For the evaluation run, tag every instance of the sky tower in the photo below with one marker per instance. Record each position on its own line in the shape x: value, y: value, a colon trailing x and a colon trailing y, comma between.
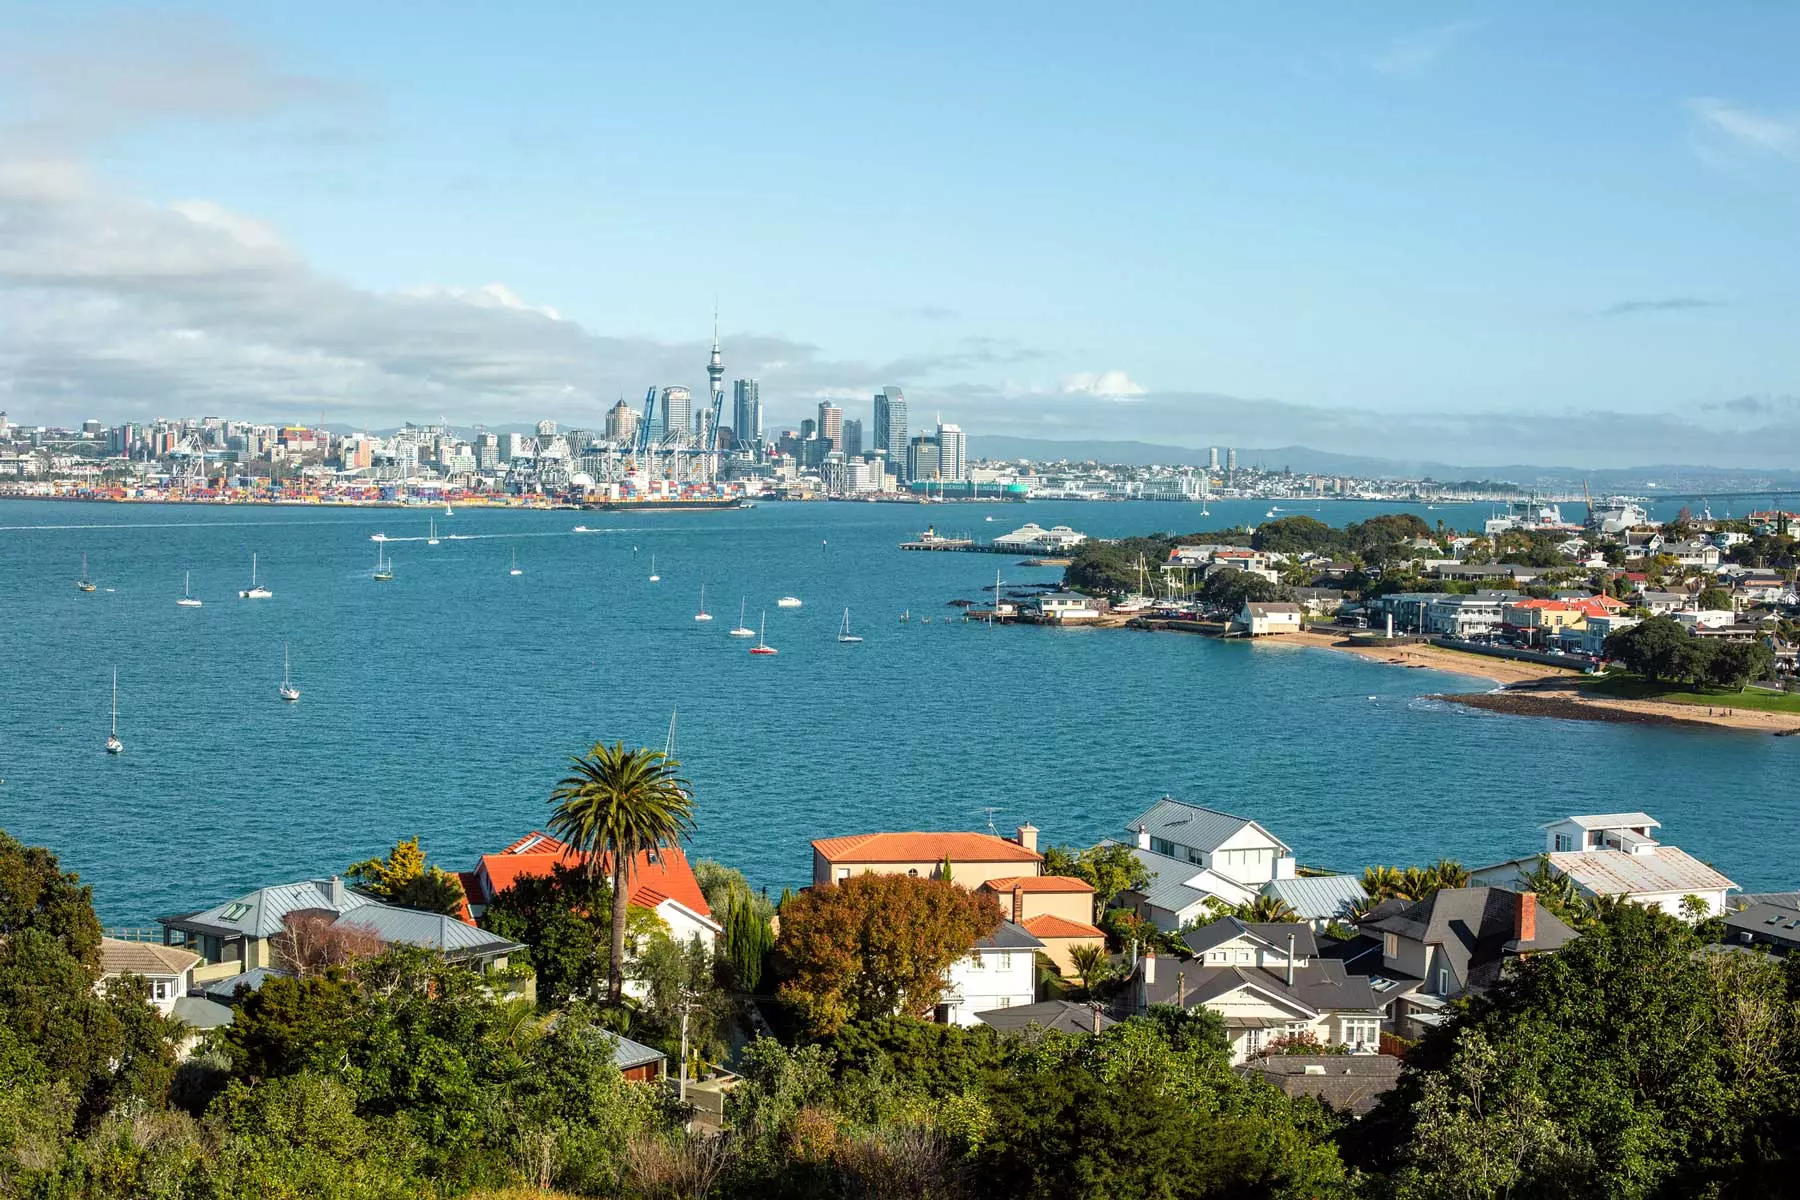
x: 715, y: 373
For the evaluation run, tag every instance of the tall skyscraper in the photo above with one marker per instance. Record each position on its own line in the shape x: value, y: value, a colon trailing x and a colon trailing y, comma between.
x: 890, y: 425
x: 622, y: 423
x: 922, y: 459
x: 952, y: 452
x: 1231, y: 461
x: 677, y: 413
x: 853, y: 440
x: 705, y: 434
x: 1212, y: 458
x: 746, y: 412
x: 831, y: 425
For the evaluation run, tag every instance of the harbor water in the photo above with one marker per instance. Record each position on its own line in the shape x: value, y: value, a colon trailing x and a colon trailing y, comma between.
x: 445, y: 703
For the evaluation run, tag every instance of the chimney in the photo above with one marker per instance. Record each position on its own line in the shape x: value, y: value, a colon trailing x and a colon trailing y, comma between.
x: 1290, y: 971
x: 1143, y: 836
x: 1028, y: 836
x: 1018, y: 903
x: 1149, y: 967
x: 335, y: 893
x: 1525, y: 927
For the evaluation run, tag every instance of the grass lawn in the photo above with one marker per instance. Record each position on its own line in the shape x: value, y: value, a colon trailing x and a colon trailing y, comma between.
x: 1635, y: 687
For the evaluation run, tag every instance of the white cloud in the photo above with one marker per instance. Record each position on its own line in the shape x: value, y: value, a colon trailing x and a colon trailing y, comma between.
x: 1110, y: 385
x: 1724, y: 126
x: 1415, y: 53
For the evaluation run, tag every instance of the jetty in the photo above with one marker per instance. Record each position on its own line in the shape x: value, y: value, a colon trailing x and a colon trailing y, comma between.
x: 1028, y: 539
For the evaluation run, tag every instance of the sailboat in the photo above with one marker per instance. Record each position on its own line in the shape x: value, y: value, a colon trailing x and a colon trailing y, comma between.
x: 515, y: 564
x: 447, y: 510
x: 113, y: 744
x: 288, y: 690
x: 255, y: 591
x: 703, y: 615
x: 187, y: 600
x: 383, y: 572
x: 761, y: 647
x: 742, y: 630
x: 84, y: 583
x: 654, y: 577
x: 432, y: 539
x: 844, y: 634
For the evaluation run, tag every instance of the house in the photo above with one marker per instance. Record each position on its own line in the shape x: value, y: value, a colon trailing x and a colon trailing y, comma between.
x: 1765, y: 588
x: 1775, y: 926
x: 1063, y: 608
x: 1598, y: 629
x: 1643, y: 543
x: 1063, y: 1016
x: 1179, y: 893
x: 1664, y: 603
x: 1453, y: 943
x: 661, y: 880
x: 1543, y: 619
x: 236, y: 936
x: 637, y: 1061
x: 1235, y: 847
x: 1000, y: 972
x: 1267, y: 982
x: 1349, y: 1083
x: 1319, y: 601
x: 1614, y: 854
x: 167, y: 971
x: 1318, y: 900
x: 1695, y: 553
x: 974, y: 858
x: 1057, y: 910
x: 1260, y: 620
x: 1465, y: 616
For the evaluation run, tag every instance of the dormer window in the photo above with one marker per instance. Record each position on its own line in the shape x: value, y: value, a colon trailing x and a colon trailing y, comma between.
x: 1564, y: 842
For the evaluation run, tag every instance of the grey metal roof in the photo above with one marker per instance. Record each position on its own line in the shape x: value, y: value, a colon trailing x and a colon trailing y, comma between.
x: 201, y: 1013
x: 259, y: 913
x: 1474, y: 928
x: 435, y: 931
x: 1273, y: 935
x: 1205, y: 829
x: 1168, y: 889
x: 1623, y: 820
x: 1782, y: 899
x: 1065, y: 1016
x: 225, y: 990
x: 628, y: 1054
x: 1318, y: 897
x: 1009, y: 937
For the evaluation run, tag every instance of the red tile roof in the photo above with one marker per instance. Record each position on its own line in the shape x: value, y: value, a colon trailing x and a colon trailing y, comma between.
x: 1040, y: 883
x: 656, y: 875
x: 1050, y: 926
x: 923, y: 847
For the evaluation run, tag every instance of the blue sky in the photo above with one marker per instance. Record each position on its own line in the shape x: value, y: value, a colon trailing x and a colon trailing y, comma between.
x: 1524, y: 232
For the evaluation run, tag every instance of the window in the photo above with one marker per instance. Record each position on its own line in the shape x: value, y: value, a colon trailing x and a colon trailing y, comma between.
x: 1006, y: 1002
x: 1390, y: 945
x: 1362, y: 1031
x: 1243, y: 956
x: 1163, y: 846
x: 162, y: 989
x: 1564, y: 842
x: 1003, y: 961
x: 1443, y: 987
x: 913, y: 873
x: 843, y: 873
x: 234, y: 910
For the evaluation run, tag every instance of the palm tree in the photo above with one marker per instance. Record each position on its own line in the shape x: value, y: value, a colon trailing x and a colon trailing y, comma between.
x: 1384, y: 883
x: 1557, y: 891
x: 1090, y: 963
x: 1416, y: 884
x: 618, y: 804
x: 1450, y: 873
x: 1266, y: 910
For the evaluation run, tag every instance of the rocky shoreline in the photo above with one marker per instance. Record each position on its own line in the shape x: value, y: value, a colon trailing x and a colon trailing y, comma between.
x: 1538, y: 704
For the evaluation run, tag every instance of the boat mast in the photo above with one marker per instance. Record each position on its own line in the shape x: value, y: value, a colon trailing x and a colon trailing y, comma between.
x: 115, y: 703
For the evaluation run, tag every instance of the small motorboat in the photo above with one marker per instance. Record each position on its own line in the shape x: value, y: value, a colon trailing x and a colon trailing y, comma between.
x: 788, y: 602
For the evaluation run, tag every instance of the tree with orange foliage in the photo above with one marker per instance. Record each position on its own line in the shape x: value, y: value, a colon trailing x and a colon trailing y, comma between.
x: 876, y: 945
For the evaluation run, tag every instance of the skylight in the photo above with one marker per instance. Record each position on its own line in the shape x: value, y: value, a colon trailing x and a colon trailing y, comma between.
x: 234, y: 910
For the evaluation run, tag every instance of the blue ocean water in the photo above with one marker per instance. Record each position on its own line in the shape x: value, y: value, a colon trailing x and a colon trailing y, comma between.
x: 444, y: 703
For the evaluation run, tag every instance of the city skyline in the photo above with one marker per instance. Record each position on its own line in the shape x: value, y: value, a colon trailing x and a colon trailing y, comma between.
x: 1320, y: 228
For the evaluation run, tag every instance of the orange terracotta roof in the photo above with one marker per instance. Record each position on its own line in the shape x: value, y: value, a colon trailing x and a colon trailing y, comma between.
x: 923, y: 847
x: 1040, y: 883
x: 1050, y: 926
x: 655, y: 875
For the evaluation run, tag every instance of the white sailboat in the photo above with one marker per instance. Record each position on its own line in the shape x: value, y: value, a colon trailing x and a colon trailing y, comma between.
x: 844, y: 634
x: 288, y: 690
x: 84, y: 583
x: 515, y: 563
x: 383, y: 572
x: 788, y: 602
x: 703, y: 615
x: 742, y: 629
x: 447, y: 510
x: 113, y: 744
x: 187, y: 600
x: 432, y: 538
x: 255, y: 591
x: 761, y: 647
x: 654, y: 577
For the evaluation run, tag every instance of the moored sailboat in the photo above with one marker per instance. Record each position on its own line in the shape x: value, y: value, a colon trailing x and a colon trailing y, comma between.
x: 288, y: 690
x: 762, y: 647
x: 113, y: 744
x: 187, y: 599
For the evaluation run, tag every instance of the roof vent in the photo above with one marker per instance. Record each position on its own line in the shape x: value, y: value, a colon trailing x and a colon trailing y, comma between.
x: 1313, y: 1069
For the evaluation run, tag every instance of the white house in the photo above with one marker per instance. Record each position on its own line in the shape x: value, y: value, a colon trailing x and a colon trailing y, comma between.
x: 1260, y: 620
x: 1466, y: 616
x: 1614, y: 854
x: 1061, y: 608
x: 1235, y: 847
x: 1000, y: 972
x: 1694, y: 553
x: 1267, y: 982
x: 1180, y: 893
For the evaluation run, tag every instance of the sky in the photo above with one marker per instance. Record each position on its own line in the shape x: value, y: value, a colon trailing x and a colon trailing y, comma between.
x: 1522, y: 232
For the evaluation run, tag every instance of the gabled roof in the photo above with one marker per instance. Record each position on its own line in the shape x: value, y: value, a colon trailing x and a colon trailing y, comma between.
x: 1474, y: 929
x: 1009, y: 937
x: 1275, y: 936
x: 1322, y: 985
x: 1048, y: 925
x: 1205, y: 829
x: 201, y: 1013
x: 1040, y: 883
x: 259, y: 913
x: 1776, y: 922
x: 1318, y: 897
x: 1065, y: 1016
x: 143, y: 958
x: 1622, y: 820
x: 628, y: 1054
x: 656, y: 875
x: 923, y: 847
x: 1172, y: 881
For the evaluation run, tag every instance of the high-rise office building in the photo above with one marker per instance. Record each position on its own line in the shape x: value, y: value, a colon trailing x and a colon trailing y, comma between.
x: 1231, y: 462
x: 890, y: 425
x: 852, y: 441
x: 952, y: 452
x: 746, y: 412
x: 831, y: 425
x: 622, y: 423
x: 922, y: 459
x: 1212, y: 458
x: 546, y: 429
x: 677, y: 413
x: 808, y: 427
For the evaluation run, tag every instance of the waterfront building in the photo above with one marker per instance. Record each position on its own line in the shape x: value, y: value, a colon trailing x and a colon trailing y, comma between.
x: 831, y: 426
x: 1230, y: 462
x: 974, y: 858
x: 853, y: 438
x: 677, y: 414
x: 1319, y: 900
x: 952, y: 452
x: 1261, y: 620
x: 746, y: 412
x: 167, y: 971
x: 1032, y: 538
x: 922, y: 459
x: 890, y: 425
x: 622, y: 423
x: 1235, y: 847
x: 1615, y: 854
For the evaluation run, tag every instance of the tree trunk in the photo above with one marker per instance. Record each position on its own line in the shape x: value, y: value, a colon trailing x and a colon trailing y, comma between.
x: 615, y: 970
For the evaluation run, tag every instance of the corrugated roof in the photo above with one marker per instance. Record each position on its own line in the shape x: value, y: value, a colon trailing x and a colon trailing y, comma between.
x: 1049, y: 925
x: 1169, y: 889
x: 259, y: 913
x: 226, y: 990
x: 1040, y: 883
x: 923, y: 847
x: 1626, y: 820
x: 1205, y: 829
x: 143, y: 958
x: 1318, y: 897
x: 1615, y: 872
x: 435, y: 931
x: 628, y: 1054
